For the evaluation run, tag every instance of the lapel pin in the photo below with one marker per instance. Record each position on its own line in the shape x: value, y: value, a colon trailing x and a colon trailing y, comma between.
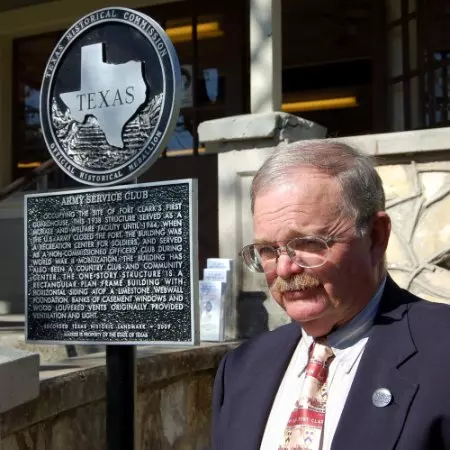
x: 381, y: 397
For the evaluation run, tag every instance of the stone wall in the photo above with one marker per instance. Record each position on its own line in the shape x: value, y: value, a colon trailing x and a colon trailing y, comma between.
x: 415, y: 168
x: 11, y: 258
x: 418, y: 202
x: 173, y: 405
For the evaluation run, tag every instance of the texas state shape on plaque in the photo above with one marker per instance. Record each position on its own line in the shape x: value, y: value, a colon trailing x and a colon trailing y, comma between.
x: 112, y: 93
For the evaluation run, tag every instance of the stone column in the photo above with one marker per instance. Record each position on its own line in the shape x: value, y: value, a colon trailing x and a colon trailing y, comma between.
x: 265, y: 55
x: 243, y: 143
x: 5, y: 110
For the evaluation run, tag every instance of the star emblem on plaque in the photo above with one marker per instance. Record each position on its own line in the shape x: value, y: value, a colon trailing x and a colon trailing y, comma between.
x: 110, y: 96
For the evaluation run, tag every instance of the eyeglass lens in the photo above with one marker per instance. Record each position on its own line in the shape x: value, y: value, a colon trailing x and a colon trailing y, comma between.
x: 306, y: 252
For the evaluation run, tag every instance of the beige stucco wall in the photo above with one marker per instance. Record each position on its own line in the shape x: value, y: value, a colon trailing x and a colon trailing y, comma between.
x: 173, y: 405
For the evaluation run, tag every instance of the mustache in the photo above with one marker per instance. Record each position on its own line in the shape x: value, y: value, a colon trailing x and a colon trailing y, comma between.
x: 296, y: 283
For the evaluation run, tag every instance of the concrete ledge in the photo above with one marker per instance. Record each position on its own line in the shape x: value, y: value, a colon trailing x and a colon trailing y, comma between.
x: 267, y: 130
x: 73, y: 398
x: 256, y: 130
x: 19, y: 377
x: 399, y: 143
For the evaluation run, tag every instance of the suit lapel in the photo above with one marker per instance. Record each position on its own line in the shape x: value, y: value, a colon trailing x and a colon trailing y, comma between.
x: 362, y: 424
x: 255, y: 397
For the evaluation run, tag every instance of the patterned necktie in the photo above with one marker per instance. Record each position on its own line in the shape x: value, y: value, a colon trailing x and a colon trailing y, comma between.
x: 305, y: 425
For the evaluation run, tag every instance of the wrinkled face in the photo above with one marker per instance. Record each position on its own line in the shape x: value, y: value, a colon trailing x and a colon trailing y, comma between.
x: 323, y: 297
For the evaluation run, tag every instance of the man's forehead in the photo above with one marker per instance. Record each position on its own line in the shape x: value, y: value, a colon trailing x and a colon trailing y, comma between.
x: 291, y: 232
x: 309, y: 205
x: 301, y: 181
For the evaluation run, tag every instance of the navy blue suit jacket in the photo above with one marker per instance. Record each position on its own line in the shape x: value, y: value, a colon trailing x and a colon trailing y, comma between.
x: 408, y: 352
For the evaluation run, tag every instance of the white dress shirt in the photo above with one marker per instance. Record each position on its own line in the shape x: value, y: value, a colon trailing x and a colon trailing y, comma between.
x: 348, y: 344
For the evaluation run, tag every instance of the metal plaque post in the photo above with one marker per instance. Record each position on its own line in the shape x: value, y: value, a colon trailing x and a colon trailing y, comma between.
x: 120, y: 396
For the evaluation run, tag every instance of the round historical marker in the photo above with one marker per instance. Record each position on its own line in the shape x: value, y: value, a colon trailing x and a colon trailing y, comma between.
x: 110, y: 96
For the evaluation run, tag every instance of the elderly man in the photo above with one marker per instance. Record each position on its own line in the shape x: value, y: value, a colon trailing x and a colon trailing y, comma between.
x: 364, y: 365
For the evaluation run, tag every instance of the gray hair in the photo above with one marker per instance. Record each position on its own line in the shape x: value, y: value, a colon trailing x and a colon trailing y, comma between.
x: 361, y: 186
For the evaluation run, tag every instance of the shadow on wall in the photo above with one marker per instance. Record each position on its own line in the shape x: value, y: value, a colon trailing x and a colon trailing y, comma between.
x: 253, y: 318
x: 12, y: 266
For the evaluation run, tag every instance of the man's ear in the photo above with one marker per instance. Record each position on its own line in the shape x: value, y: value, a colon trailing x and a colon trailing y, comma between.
x: 379, y: 234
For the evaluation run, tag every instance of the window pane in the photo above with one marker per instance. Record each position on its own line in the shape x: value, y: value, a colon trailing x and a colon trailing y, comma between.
x: 30, y: 59
x: 180, y: 32
x: 328, y: 63
x: 212, y: 60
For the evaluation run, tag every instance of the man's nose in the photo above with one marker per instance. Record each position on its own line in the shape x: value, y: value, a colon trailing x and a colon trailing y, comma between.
x: 286, y: 267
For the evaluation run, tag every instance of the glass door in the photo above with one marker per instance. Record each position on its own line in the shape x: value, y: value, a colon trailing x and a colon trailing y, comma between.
x: 211, y: 42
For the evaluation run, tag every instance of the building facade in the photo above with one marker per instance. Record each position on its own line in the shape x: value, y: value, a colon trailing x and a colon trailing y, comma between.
x: 357, y: 67
x: 354, y: 66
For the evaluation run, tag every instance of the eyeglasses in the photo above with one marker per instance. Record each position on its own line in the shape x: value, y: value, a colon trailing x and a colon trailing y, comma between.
x: 306, y: 252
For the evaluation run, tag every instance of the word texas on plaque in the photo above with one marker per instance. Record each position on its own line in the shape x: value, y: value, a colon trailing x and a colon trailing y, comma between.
x: 110, y: 96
